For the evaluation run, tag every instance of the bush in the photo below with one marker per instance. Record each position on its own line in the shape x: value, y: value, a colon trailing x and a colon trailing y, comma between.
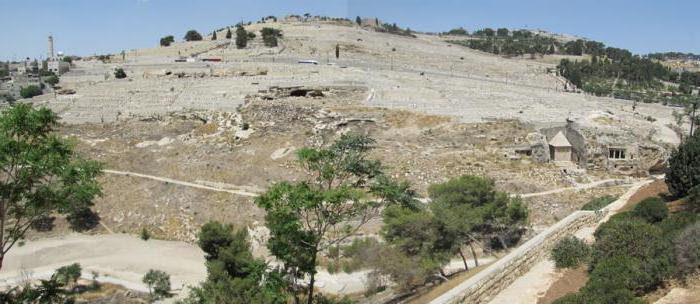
x: 193, y: 35
x: 684, y: 167
x: 652, y: 209
x: 30, y: 91
x: 119, y: 73
x: 598, y: 203
x: 636, y: 239
x: 68, y: 275
x: 145, y: 235
x: 687, y: 245
x: 51, y: 80
x: 83, y: 219
x: 158, y: 283
x: 570, y: 252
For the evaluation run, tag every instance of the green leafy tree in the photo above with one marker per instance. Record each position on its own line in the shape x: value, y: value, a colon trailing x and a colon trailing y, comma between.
x: 119, y: 73
x: 233, y: 274
x: 570, y: 252
x: 270, y: 36
x: 684, y: 167
x: 30, y: 91
x: 68, y: 275
x: 41, y: 173
x: 158, y: 283
x: 241, y: 37
x: 228, y: 33
x: 193, y: 35
x: 420, y: 238
x: 167, y: 40
x: 344, y: 192
x: 502, y: 32
x: 472, y: 209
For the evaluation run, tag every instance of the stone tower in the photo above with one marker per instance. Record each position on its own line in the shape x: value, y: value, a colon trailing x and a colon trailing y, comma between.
x: 50, y: 54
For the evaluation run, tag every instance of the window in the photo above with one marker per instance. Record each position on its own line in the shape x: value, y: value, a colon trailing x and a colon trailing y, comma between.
x: 615, y: 153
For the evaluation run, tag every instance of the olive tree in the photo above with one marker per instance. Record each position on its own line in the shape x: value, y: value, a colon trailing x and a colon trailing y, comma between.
x: 41, y: 174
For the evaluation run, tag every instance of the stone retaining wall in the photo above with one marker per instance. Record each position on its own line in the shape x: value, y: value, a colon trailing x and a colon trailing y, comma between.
x: 486, y: 284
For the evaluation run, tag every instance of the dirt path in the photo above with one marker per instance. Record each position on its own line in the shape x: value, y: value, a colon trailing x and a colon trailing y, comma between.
x: 182, y: 183
x: 602, y: 183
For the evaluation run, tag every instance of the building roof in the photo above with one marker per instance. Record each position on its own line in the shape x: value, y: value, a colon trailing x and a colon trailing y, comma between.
x: 559, y: 140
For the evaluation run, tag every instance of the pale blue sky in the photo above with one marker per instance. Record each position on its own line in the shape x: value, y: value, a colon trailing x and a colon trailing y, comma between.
x: 85, y: 27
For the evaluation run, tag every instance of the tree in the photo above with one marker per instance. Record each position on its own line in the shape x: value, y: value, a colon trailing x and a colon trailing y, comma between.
x: 420, y: 238
x: 358, y: 20
x: 41, y: 173
x: 119, y: 73
x: 502, y: 32
x: 193, y: 35
x: 167, y: 40
x: 337, y: 51
x: 270, y: 35
x: 228, y: 33
x: 68, y: 275
x: 684, y: 167
x: 213, y: 35
x: 570, y: 252
x: 233, y: 274
x: 344, y: 191
x: 472, y: 209
x: 158, y: 283
x: 241, y: 37
x: 652, y: 209
x: 30, y: 91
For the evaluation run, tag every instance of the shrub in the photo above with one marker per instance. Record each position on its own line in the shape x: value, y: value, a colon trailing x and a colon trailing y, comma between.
x: 83, y: 219
x: 51, y: 80
x: 636, y: 239
x: 652, y: 209
x: 119, y: 73
x: 158, y: 283
x: 570, y: 252
x: 684, y: 167
x: 193, y: 35
x: 68, y: 275
x: 145, y: 235
x: 30, y: 91
x: 598, y: 203
x: 687, y: 245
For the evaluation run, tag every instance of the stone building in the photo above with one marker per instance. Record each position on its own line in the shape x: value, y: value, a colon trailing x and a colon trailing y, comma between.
x: 601, y: 142
x: 560, y: 148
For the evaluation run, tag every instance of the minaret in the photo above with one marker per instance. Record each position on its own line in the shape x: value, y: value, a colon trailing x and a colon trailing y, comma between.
x: 50, y: 54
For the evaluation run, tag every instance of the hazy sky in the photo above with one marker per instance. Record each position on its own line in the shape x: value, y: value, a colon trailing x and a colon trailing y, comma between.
x: 85, y: 27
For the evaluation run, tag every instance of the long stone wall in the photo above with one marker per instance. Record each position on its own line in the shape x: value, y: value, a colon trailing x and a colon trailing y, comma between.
x: 489, y: 282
